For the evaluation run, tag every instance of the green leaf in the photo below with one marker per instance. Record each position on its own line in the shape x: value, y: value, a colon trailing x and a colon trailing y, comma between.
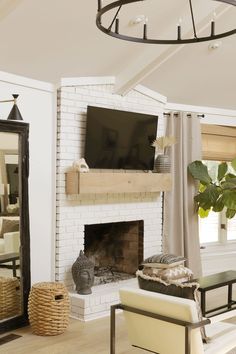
x: 215, y: 196
x: 229, y: 198
x: 201, y: 187
x: 222, y: 169
x: 233, y: 163
x: 219, y: 205
x: 230, y: 213
x: 199, y: 171
x: 229, y: 176
x: 203, y: 213
x: 229, y: 185
x: 208, y: 198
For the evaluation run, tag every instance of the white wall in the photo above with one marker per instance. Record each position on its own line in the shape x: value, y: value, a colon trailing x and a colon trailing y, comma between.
x: 36, y: 104
x: 211, y: 115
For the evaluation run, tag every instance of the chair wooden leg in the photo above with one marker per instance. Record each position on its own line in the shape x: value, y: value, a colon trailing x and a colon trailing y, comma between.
x: 229, y: 296
x: 203, y: 303
x: 112, y: 329
x: 187, y: 340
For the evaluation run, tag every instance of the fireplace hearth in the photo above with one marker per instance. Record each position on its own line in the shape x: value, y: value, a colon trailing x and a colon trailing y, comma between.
x: 115, y: 248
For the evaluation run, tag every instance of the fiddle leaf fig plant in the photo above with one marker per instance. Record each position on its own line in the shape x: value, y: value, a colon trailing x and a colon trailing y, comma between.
x: 215, y: 195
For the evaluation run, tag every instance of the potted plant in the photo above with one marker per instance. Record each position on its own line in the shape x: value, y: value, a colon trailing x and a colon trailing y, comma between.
x: 218, y: 194
x: 162, y: 162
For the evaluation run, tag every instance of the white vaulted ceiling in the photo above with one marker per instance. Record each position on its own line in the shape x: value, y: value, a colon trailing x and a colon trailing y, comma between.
x: 50, y: 39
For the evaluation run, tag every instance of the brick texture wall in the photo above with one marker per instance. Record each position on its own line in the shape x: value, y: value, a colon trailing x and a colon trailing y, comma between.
x: 74, y: 212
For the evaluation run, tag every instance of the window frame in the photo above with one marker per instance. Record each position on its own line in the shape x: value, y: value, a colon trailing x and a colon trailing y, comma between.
x: 212, y: 152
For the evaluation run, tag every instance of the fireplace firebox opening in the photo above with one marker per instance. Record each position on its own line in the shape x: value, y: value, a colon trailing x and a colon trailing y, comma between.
x: 116, y: 249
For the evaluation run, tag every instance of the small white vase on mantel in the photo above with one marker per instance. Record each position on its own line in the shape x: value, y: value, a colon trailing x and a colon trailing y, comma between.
x: 162, y: 164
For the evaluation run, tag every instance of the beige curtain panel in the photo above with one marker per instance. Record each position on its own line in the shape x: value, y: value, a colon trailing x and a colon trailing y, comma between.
x: 181, y: 236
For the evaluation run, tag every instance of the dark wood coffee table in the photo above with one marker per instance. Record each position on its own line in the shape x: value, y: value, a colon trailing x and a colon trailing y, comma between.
x: 215, y: 281
x: 9, y: 257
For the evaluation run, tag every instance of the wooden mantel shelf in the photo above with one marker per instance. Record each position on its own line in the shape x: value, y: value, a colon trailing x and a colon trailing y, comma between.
x: 111, y: 182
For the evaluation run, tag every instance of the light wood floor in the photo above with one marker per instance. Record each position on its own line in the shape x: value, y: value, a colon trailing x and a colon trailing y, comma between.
x: 81, y: 337
x: 85, y: 337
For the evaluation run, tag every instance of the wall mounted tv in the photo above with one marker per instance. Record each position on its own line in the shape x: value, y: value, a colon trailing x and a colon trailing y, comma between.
x: 119, y: 140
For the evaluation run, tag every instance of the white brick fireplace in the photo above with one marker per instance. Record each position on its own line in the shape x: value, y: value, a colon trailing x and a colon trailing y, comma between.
x: 74, y: 212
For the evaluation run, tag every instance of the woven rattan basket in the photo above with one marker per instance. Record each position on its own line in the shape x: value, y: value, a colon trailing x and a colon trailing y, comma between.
x: 10, y: 304
x: 48, y: 308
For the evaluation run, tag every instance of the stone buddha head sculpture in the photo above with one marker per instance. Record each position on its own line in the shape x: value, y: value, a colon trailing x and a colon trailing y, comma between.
x: 83, y: 274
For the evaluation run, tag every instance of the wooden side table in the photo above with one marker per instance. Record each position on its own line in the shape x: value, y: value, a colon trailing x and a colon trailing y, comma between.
x: 215, y: 281
x: 10, y: 257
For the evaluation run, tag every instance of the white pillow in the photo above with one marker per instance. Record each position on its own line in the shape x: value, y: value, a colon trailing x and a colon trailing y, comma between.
x: 11, y: 242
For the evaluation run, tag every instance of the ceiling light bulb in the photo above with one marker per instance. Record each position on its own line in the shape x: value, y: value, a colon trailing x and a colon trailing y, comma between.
x: 137, y: 19
x: 214, y: 45
x: 180, y: 22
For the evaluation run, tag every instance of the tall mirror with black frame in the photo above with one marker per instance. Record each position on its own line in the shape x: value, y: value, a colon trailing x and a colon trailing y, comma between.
x: 14, y: 225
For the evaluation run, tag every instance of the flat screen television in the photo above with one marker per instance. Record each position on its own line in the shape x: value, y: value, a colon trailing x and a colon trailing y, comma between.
x: 119, y: 140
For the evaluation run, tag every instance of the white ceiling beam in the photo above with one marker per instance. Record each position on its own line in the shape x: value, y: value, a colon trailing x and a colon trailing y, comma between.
x: 7, y: 6
x: 155, y: 56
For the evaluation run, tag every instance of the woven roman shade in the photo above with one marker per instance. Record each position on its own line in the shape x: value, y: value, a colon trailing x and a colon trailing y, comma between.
x: 218, y: 142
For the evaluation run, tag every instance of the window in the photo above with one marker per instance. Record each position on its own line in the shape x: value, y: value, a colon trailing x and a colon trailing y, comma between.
x: 209, y: 228
x: 218, y: 144
x: 216, y: 228
x: 231, y: 229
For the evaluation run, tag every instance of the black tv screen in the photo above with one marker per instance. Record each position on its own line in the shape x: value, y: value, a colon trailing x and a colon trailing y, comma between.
x: 119, y: 140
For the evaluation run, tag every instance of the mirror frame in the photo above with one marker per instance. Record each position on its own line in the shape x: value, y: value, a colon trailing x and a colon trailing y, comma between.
x: 22, y: 129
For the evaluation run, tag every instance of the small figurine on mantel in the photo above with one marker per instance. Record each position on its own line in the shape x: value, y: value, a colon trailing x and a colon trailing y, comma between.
x: 80, y: 165
x: 83, y: 274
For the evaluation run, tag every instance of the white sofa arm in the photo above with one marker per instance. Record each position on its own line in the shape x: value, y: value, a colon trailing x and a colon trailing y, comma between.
x: 11, y: 242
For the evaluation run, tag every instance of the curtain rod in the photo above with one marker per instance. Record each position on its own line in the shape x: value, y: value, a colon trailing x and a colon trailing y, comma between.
x: 188, y: 115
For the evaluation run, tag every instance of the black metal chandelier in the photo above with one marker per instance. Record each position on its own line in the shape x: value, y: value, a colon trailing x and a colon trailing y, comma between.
x: 113, y: 28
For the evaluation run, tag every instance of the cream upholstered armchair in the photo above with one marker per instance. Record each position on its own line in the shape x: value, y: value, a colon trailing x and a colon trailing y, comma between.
x: 169, y: 325
x: 9, y: 237
x: 11, y: 242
